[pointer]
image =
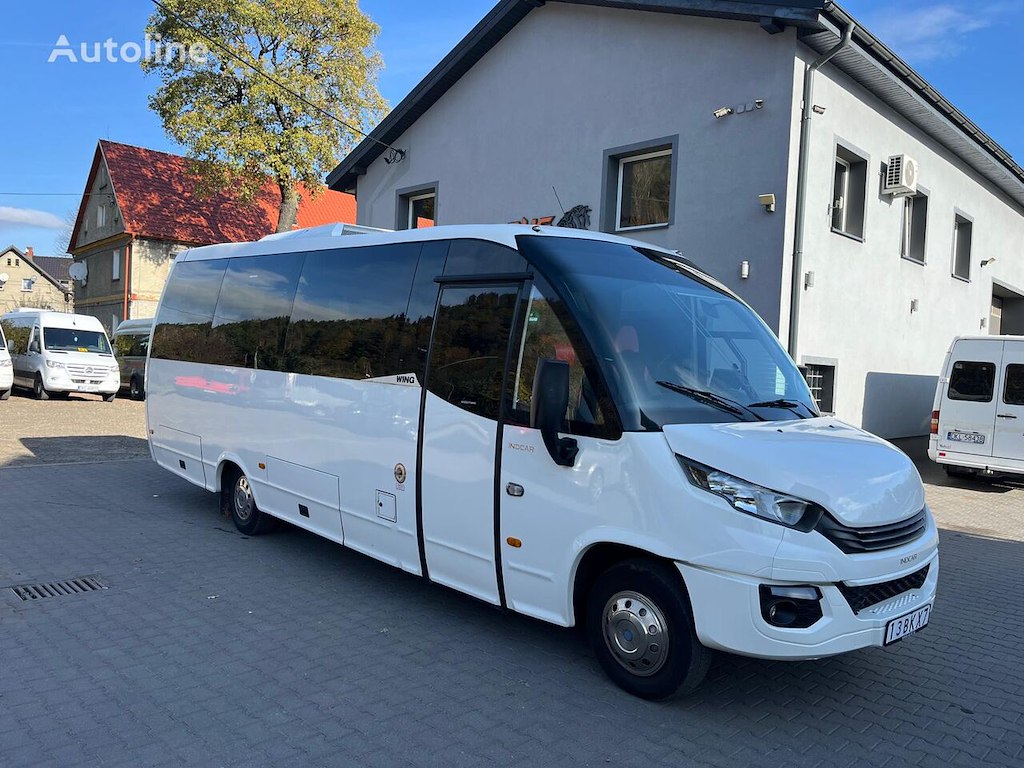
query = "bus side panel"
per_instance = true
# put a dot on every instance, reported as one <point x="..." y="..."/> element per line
<point x="180" y="452"/>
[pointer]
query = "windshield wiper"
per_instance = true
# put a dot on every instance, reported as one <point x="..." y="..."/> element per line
<point x="788" y="405"/>
<point x="710" y="398"/>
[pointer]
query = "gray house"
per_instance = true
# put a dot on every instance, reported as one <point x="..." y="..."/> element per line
<point x="778" y="144"/>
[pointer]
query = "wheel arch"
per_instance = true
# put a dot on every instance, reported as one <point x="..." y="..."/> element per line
<point x="594" y="560"/>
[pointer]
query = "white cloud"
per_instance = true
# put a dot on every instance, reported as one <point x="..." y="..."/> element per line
<point x="28" y="217"/>
<point x="924" y="32"/>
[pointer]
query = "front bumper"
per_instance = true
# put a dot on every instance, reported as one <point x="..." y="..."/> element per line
<point x="727" y="614"/>
<point x="60" y="381"/>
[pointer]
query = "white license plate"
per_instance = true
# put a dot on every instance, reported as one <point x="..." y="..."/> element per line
<point x="957" y="436"/>
<point x="88" y="388"/>
<point x="899" y="628"/>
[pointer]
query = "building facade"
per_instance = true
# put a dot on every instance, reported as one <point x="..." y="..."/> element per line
<point x="755" y="138"/>
<point x="26" y="283"/>
<point x="141" y="208"/>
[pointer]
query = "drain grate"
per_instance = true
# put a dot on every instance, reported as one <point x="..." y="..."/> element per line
<point x="58" y="588"/>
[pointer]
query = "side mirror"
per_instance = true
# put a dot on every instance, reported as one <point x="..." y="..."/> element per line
<point x="10" y="346"/>
<point x="33" y="347"/>
<point x="547" y="411"/>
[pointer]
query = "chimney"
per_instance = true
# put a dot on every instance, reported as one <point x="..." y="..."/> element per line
<point x="29" y="253"/>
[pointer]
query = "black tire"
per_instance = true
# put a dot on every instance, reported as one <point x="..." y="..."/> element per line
<point x="635" y="596"/>
<point x="6" y="395"/>
<point x="241" y="505"/>
<point x="110" y="398"/>
<point x="135" y="391"/>
<point x="38" y="390"/>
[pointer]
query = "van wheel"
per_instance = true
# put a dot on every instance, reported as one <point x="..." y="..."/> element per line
<point x="247" y="517"/>
<point x="135" y="389"/>
<point x="640" y="626"/>
<point x="38" y="390"/>
<point x="6" y="395"/>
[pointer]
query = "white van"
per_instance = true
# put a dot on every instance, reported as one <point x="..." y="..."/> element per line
<point x="131" y="343"/>
<point x="978" y="417"/>
<point x="574" y="426"/>
<point x="56" y="353"/>
<point x="6" y="368"/>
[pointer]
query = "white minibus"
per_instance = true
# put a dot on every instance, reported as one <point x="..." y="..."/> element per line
<point x="57" y="353"/>
<point x="574" y="426"/>
<point x="6" y="368"/>
<point x="977" y="425"/>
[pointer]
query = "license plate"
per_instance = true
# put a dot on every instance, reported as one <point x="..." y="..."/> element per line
<point x="957" y="436"/>
<point x="899" y="628"/>
<point x="87" y="388"/>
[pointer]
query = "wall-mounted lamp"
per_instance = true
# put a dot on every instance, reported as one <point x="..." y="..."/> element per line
<point x="808" y="280"/>
<point x="818" y="109"/>
<point x="983" y="323"/>
<point x="986" y="262"/>
<point x="768" y="201"/>
<point x="722" y="112"/>
<point x="744" y="269"/>
<point x="914" y="305"/>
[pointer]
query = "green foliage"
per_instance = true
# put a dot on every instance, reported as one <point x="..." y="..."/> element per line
<point x="243" y="127"/>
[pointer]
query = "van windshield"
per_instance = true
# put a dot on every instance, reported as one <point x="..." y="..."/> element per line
<point x="75" y="340"/>
<point x="673" y="349"/>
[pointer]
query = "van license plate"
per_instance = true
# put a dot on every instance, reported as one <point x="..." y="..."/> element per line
<point x="966" y="437"/>
<point x="899" y="628"/>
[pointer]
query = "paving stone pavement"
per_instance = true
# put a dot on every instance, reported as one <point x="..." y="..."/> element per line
<point x="211" y="648"/>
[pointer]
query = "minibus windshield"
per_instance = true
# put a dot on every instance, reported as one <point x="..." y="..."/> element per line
<point x="673" y="348"/>
<point x="75" y="340"/>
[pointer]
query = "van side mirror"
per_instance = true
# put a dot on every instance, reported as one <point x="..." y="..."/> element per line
<point x="34" y="346"/>
<point x="547" y="410"/>
<point x="10" y="346"/>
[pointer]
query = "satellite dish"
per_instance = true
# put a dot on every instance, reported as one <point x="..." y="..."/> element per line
<point x="4" y="277"/>
<point x="78" y="271"/>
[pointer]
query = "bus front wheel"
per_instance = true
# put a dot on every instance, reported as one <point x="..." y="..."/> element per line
<point x="640" y="626"/>
<point x="247" y="517"/>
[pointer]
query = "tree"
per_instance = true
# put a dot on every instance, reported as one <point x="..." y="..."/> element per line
<point x="239" y="124"/>
<point x="62" y="240"/>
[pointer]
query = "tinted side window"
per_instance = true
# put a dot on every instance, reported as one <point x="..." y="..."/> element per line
<point x="349" y="312"/>
<point x="252" y="313"/>
<point x="131" y="345"/>
<point x="471" y="335"/>
<point x="17" y="333"/>
<point x="544" y="329"/>
<point x="415" y="340"/>
<point x="481" y="257"/>
<point x="1014" y="393"/>
<point x="186" y="312"/>
<point x="972" y="381"/>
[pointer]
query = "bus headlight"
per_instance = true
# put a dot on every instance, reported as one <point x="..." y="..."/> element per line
<point x="754" y="499"/>
<point x="55" y="364"/>
<point x="5" y="363"/>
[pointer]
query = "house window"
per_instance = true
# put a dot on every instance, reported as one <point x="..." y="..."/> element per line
<point x="849" y="190"/>
<point x="821" y="380"/>
<point x="915" y="225"/>
<point x="416" y="207"/>
<point x="421" y="211"/>
<point x="115" y="266"/>
<point x="643" y="198"/>
<point x="963" y="233"/>
<point x="26" y="283"/>
<point x="101" y="215"/>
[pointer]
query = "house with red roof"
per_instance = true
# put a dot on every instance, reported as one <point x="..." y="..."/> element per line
<point x="141" y="208"/>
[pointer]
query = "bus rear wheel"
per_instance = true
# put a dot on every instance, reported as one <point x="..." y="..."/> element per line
<point x="640" y="626"/>
<point x="247" y="517"/>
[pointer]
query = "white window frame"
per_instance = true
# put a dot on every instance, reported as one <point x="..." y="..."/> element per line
<point x="115" y="266"/>
<point x="907" y="234"/>
<point x="29" y="282"/>
<point x="101" y="215"/>
<point x="410" y="218"/>
<point x="618" y="191"/>
<point x="959" y="220"/>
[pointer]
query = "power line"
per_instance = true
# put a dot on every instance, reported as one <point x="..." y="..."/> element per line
<point x="57" y="194"/>
<point x="396" y="155"/>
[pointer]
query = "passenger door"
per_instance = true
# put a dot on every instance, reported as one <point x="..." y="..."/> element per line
<point x="967" y="414"/>
<point x="465" y="381"/>
<point x="1008" y="442"/>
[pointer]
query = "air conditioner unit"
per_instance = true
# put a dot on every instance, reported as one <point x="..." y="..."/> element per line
<point x="900" y="176"/>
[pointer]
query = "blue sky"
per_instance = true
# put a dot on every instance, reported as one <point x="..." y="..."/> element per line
<point x="972" y="51"/>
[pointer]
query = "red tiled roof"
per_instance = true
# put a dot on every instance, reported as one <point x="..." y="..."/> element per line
<point x="158" y="199"/>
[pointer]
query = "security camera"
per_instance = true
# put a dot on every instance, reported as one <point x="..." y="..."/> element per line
<point x="759" y="103"/>
<point x="722" y="112"/>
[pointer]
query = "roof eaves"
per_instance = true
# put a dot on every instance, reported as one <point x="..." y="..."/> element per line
<point x="498" y="22"/>
<point x="899" y="69"/>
